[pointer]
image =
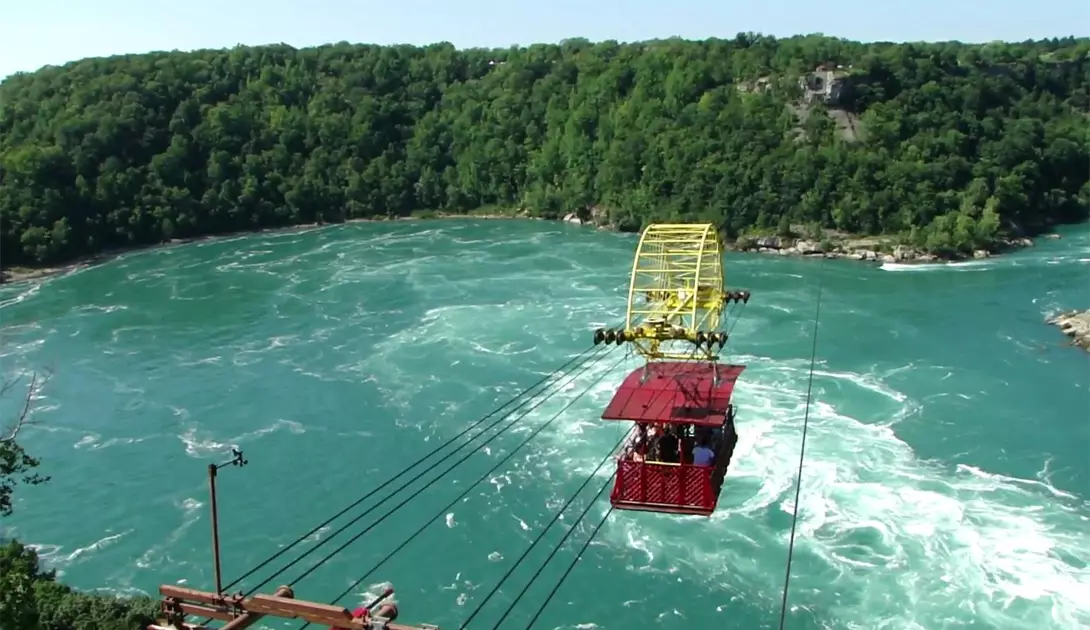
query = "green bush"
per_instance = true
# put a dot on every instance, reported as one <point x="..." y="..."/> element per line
<point x="32" y="599"/>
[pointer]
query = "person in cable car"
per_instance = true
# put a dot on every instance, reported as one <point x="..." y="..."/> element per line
<point x="669" y="446"/>
<point x="639" y="443"/>
<point x="703" y="455"/>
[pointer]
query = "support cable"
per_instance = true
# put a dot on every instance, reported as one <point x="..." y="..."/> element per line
<point x="586" y="366"/>
<point x="581" y="356"/>
<point x="571" y="566"/>
<point x="802" y="449"/>
<point x="556" y="517"/>
<point x="464" y="493"/>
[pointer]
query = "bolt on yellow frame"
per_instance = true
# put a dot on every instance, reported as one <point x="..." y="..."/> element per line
<point x="676" y="290"/>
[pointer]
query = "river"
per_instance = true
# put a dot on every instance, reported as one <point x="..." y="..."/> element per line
<point x="946" y="482"/>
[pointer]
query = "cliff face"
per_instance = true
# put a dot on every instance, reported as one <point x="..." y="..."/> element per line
<point x="831" y="84"/>
<point x="1074" y="324"/>
<point x="828" y="85"/>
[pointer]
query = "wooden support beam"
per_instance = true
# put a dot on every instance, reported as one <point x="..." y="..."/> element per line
<point x="282" y="604"/>
<point x="221" y="614"/>
<point x="244" y="621"/>
<point x="250" y="617"/>
<point x="291" y="608"/>
<point x="193" y="595"/>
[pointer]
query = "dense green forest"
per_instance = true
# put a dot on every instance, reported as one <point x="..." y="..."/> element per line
<point x="948" y="145"/>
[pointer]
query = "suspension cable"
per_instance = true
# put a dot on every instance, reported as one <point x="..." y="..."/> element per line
<point x="556" y="517"/>
<point x="581" y="356"/>
<point x="586" y="366"/>
<point x="571" y="566"/>
<point x="377" y="504"/>
<point x="480" y="606"/>
<point x="464" y="493"/>
<point x="802" y="448"/>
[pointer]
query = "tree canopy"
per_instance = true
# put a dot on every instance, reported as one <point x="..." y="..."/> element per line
<point x="950" y="145"/>
<point x="32" y="599"/>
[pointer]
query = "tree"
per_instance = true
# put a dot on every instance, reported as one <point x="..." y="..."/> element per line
<point x="32" y="599"/>
<point x="16" y="465"/>
<point x="18" y="573"/>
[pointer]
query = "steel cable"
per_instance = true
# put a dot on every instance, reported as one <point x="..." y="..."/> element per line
<point x="802" y="449"/>
<point x="609" y="456"/>
<point x="371" y="493"/>
<point x="584" y="367"/>
<point x="464" y="493"/>
<point x="553" y="554"/>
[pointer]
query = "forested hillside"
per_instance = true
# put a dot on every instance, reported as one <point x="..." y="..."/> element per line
<point x="949" y="145"/>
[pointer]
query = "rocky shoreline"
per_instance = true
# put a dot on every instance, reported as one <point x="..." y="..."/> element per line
<point x="1074" y="324"/>
<point x="872" y="249"/>
<point x="837" y="245"/>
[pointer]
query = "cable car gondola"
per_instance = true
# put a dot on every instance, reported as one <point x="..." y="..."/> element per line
<point x="680" y="399"/>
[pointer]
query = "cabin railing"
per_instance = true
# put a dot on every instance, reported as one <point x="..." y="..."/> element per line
<point x="684" y="487"/>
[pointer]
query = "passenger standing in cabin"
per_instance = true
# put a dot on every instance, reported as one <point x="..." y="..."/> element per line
<point x="668" y="446"/>
<point x="640" y="443"/>
<point x="654" y="433"/>
<point x="638" y="450"/>
<point x="703" y="455"/>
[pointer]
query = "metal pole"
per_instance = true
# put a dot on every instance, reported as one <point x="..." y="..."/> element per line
<point x="215" y="527"/>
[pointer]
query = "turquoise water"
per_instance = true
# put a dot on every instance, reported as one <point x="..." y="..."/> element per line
<point x="946" y="483"/>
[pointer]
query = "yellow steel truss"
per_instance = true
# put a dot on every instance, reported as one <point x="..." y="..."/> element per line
<point x="676" y="292"/>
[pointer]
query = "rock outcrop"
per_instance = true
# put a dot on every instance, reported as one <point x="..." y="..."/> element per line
<point x="873" y="249"/>
<point x="1074" y="324"/>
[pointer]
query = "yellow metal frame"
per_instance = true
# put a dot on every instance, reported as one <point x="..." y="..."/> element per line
<point x="676" y="290"/>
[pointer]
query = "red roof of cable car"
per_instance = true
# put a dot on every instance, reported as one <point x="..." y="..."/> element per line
<point x="675" y="392"/>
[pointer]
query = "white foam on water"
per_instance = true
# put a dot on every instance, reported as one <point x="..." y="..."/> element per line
<point x="970" y="265"/>
<point x="159" y="555"/>
<point x="200" y="447"/>
<point x="902" y="542"/>
<point x="81" y="553"/>
<point x="19" y="292"/>
<point x="905" y="542"/>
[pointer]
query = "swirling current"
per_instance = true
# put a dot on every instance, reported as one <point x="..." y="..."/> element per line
<point x="946" y="479"/>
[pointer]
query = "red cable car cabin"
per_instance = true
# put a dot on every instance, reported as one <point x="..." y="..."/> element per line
<point x="691" y="401"/>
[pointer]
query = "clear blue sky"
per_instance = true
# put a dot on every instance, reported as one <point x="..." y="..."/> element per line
<point x="34" y="33"/>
